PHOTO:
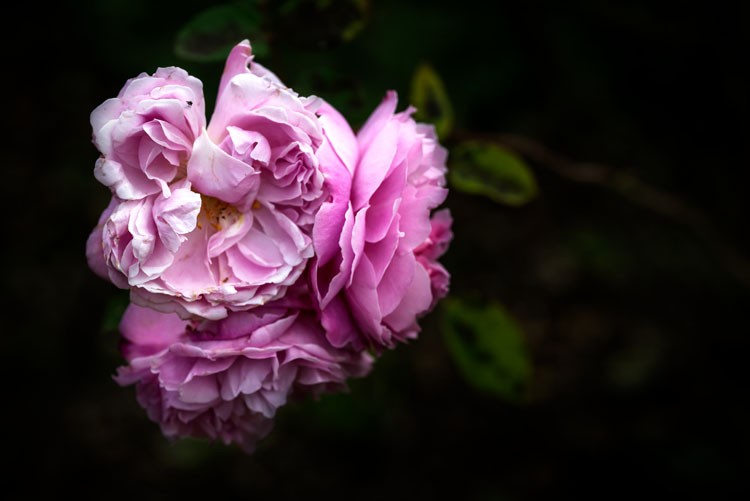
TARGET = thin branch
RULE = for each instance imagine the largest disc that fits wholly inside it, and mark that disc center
(634, 190)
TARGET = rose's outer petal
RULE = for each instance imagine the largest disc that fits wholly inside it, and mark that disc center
(141, 325)
(95, 244)
(337, 155)
(191, 268)
(125, 183)
(341, 143)
(416, 299)
(377, 155)
(239, 57)
(440, 236)
(378, 120)
(240, 61)
(434, 247)
(340, 328)
(185, 309)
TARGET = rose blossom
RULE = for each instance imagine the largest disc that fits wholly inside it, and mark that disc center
(260, 144)
(146, 133)
(140, 237)
(239, 227)
(376, 247)
(226, 379)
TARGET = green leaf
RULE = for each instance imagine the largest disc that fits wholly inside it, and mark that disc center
(487, 346)
(429, 97)
(487, 169)
(210, 35)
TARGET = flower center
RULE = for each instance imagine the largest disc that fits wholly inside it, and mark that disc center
(217, 213)
(181, 171)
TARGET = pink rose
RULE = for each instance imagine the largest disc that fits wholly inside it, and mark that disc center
(238, 231)
(266, 251)
(146, 133)
(376, 247)
(260, 145)
(225, 380)
(140, 238)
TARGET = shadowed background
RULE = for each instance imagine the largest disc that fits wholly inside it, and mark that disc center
(626, 274)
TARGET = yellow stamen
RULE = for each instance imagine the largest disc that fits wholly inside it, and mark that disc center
(217, 213)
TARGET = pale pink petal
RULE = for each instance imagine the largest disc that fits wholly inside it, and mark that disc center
(378, 120)
(340, 146)
(215, 173)
(141, 325)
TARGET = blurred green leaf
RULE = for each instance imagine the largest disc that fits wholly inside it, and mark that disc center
(288, 7)
(114, 308)
(320, 24)
(488, 348)
(351, 31)
(429, 97)
(211, 34)
(480, 168)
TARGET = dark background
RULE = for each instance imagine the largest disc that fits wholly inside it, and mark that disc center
(633, 299)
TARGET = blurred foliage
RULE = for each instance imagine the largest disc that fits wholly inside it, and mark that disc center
(428, 95)
(600, 254)
(636, 362)
(483, 168)
(324, 23)
(211, 34)
(488, 347)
